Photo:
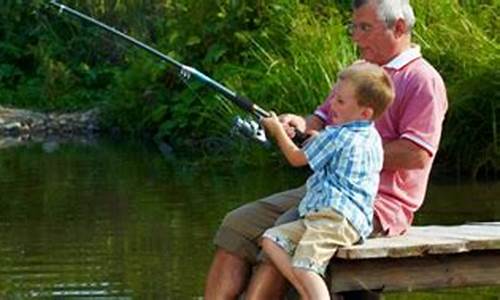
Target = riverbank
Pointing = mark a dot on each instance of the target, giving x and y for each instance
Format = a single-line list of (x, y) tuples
[(21, 126), (26, 123)]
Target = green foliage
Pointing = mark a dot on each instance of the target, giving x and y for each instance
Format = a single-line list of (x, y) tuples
[(461, 41), (296, 73), (282, 54)]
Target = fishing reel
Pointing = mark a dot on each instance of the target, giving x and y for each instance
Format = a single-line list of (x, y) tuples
[(249, 128)]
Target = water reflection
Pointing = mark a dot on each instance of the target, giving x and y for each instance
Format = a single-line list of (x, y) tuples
[(111, 220), (460, 203)]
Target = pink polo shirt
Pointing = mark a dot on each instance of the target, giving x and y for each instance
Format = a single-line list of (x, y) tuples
[(417, 115)]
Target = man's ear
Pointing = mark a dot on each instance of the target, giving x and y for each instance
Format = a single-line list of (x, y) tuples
[(367, 113), (400, 28)]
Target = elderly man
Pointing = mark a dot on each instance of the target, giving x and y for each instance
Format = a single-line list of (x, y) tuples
[(410, 129)]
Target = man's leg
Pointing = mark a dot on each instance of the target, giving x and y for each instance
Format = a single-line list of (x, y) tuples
[(227, 277), (237, 242), (267, 281)]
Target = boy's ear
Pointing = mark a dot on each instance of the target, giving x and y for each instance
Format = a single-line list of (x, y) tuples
[(367, 113)]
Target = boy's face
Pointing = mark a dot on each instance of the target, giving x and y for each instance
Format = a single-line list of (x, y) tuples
[(345, 106)]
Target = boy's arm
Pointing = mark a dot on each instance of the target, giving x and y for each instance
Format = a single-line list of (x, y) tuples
[(293, 154)]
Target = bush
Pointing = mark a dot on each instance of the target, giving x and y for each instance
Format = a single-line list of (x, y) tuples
[(282, 54)]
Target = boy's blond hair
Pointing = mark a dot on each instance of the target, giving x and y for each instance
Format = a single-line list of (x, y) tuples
[(373, 87)]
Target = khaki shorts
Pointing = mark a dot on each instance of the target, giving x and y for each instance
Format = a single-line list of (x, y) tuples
[(242, 228), (313, 240)]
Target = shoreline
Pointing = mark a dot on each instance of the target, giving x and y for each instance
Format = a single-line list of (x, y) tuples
[(27, 123), (22, 126)]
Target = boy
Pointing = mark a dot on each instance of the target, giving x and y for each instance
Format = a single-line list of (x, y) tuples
[(346, 158)]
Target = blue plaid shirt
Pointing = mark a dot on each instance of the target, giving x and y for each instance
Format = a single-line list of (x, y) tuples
[(346, 160)]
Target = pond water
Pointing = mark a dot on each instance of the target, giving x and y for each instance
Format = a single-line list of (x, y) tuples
[(114, 220)]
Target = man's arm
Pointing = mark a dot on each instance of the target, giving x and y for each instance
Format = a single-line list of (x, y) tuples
[(404, 154), (314, 123)]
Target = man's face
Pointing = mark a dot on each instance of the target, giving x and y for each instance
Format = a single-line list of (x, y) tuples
[(376, 42)]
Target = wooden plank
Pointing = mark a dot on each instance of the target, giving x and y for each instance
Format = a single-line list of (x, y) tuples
[(425, 240), (403, 246), (477, 237), (471, 232), (433, 271), (485, 223)]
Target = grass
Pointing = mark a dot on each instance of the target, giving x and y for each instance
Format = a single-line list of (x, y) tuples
[(284, 55)]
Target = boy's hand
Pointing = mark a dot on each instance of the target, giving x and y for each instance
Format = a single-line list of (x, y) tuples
[(271, 124), (291, 123)]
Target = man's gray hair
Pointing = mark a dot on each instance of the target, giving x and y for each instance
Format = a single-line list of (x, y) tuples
[(391, 10)]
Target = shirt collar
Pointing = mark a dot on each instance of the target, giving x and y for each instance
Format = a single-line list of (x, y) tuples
[(357, 124), (404, 58)]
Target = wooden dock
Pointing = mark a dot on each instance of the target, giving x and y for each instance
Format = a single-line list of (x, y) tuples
[(426, 257)]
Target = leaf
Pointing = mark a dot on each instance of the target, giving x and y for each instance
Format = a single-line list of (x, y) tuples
[(159, 113), (7, 71), (193, 40), (215, 53)]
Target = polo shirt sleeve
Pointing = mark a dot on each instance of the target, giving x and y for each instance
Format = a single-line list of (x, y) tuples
[(322, 148), (425, 107), (323, 111)]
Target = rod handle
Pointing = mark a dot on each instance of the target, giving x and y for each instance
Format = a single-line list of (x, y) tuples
[(299, 137)]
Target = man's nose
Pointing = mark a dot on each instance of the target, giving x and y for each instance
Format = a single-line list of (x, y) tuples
[(355, 36)]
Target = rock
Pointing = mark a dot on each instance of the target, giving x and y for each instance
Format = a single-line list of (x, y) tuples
[(166, 149), (14, 122), (12, 126), (8, 142)]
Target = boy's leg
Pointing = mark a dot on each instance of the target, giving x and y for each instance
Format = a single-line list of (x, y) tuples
[(283, 262), (325, 231), (314, 285), (278, 244), (236, 242)]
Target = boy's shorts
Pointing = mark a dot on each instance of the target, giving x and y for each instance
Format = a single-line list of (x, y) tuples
[(313, 240)]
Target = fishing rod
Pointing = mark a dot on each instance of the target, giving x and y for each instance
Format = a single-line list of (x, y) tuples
[(248, 128)]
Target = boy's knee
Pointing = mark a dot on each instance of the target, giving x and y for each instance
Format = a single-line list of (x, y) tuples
[(300, 272), (266, 244)]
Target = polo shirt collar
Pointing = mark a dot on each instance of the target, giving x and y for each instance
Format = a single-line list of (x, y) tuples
[(404, 58)]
